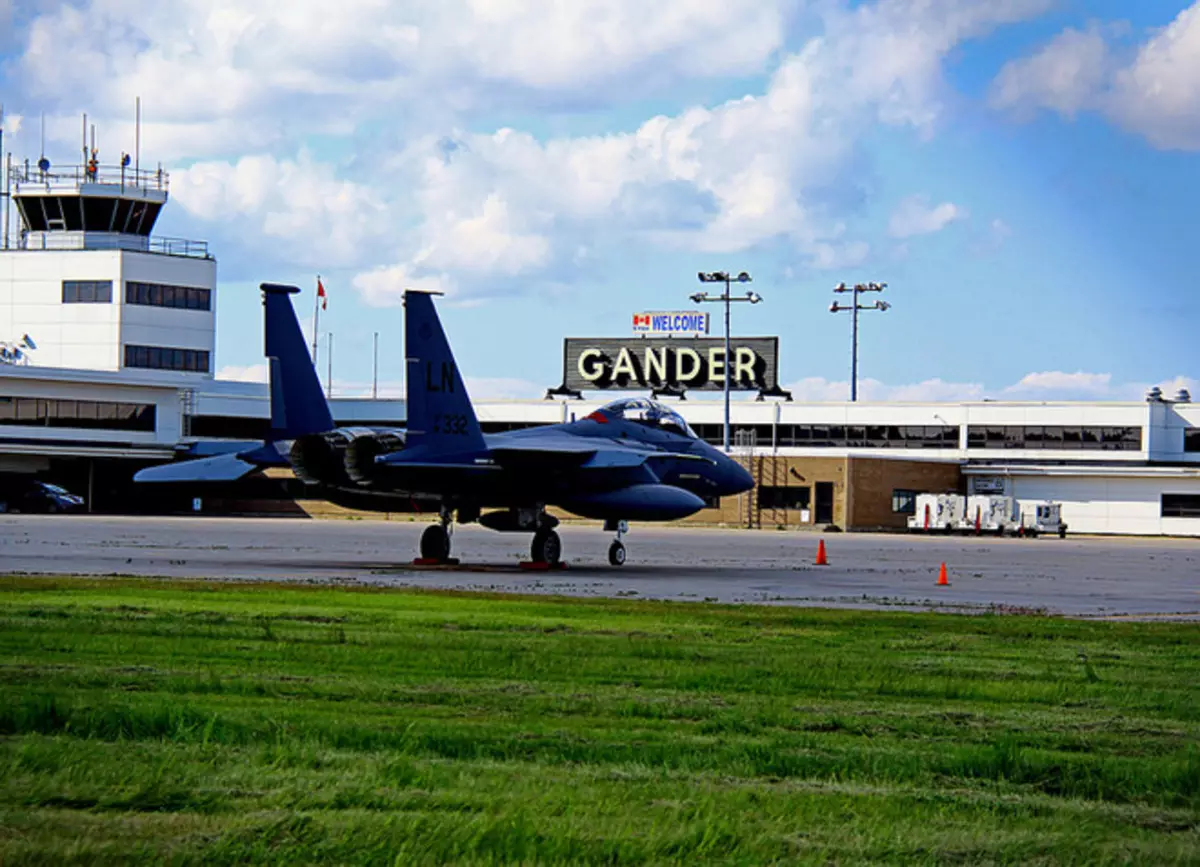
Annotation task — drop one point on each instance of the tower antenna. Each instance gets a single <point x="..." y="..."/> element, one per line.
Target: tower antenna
<point x="6" y="168"/>
<point x="137" y="138"/>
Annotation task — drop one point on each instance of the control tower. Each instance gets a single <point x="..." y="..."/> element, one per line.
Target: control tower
<point x="86" y="285"/>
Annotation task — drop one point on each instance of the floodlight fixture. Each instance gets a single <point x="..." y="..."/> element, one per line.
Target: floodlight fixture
<point x="854" y="308"/>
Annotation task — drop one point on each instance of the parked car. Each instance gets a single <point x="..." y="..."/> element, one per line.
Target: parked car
<point x="32" y="495"/>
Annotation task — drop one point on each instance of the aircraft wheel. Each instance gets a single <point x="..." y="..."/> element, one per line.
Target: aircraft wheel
<point x="435" y="543"/>
<point x="546" y="547"/>
<point x="616" y="554"/>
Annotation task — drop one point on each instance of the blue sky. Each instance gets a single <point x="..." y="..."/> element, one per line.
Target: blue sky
<point x="1022" y="173"/>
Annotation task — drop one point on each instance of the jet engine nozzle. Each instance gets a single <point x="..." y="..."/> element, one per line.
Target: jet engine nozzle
<point x="318" y="458"/>
<point x="360" y="455"/>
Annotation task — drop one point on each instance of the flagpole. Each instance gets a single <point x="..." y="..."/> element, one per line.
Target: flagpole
<point x="316" y="319"/>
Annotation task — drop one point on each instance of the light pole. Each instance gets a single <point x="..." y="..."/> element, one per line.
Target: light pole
<point x="701" y="297"/>
<point x="857" y="289"/>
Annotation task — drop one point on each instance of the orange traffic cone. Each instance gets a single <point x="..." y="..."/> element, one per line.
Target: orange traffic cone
<point x="943" y="581"/>
<point x="822" y="560"/>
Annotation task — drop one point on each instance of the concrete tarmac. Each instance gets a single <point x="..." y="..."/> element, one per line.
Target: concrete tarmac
<point x="1096" y="577"/>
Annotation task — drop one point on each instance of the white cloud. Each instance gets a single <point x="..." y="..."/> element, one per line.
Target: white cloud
<point x="1159" y="94"/>
<point x="815" y="389"/>
<point x="1051" y="385"/>
<point x="1065" y="76"/>
<point x="487" y="242"/>
<point x="243" y="373"/>
<point x="9" y="122"/>
<point x="276" y="69"/>
<point x="989" y="241"/>
<point x="1058" y="382"/>
<point x="1155" y="95"/>
<point x="385" y="285"/>
<point x="914" y="216"/>
<point x="317" y="219"/>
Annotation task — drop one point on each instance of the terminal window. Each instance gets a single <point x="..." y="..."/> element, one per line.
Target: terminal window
<point x="784" y="497"/>
<point x="166" y="358"/>
<point x="162" y="295"/>
<point x="1181" y="505"/>
<point x="1055" y="437"/>
<point x="81" y="414"/>
<point x="87" y="291"/>
<point x="868" y="436"/>
<point x="904" y="502"/>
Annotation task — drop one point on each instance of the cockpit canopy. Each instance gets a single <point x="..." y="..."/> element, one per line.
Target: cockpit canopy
<point x="650" y="413"/>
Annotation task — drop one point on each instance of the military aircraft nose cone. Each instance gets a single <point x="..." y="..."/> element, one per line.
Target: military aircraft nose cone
<point x="741" y="479"/>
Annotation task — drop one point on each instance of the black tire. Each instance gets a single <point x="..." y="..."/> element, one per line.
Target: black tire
<point x="616" y="554"/>
<point x="435" y="543"/>
<point x="546" y="547"/>
<point x="1062" y="531"/>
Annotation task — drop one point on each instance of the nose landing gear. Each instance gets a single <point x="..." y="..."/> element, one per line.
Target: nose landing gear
<point x="616" y="551"/>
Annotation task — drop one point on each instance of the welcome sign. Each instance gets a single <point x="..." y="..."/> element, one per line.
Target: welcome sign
<point x="671" y="322"/>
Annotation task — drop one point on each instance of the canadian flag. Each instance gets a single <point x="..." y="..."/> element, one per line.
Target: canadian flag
<point x="321" y="294"/>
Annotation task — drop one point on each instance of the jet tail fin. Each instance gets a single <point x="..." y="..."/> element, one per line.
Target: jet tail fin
<point x="440" y="415"/>
<point x="298" y="406"/>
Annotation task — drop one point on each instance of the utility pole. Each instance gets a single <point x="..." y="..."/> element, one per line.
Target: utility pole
<point x="701" y="297"/>
<point x="857" y="289"/>
<point x="329" y="369"/>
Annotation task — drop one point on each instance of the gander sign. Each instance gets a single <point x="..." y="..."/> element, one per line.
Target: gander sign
<point x="692" y="363"/>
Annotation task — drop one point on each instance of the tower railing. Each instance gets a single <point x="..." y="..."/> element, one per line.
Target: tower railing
<point x="74" y="240"/>
<point x="60" y="178"/>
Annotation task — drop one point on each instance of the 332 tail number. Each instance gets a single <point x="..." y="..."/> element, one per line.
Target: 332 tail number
<point x="450" y="423"/>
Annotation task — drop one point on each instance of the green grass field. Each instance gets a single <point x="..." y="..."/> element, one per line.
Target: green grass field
<point x="208" y="723"/>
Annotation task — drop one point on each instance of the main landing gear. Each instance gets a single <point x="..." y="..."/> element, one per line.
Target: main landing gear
<point x="546" y="547"/>
<point x="435" y="541"/>
<point x="616" y="551"/>
<point x="544" y="551"/>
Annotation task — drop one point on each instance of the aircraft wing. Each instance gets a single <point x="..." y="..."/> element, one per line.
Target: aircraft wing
<point x="219" y="468"/>
<point x="228" y="467"/>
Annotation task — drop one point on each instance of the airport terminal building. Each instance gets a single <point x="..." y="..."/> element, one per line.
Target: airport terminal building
<point x="107" y="341"/>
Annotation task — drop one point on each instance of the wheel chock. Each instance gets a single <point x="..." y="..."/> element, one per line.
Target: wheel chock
<point x="539" y="566"/>
<point x="434" y="561"/>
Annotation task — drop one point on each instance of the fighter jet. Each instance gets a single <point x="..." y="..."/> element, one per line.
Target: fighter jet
<point x="632" y="460"/>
